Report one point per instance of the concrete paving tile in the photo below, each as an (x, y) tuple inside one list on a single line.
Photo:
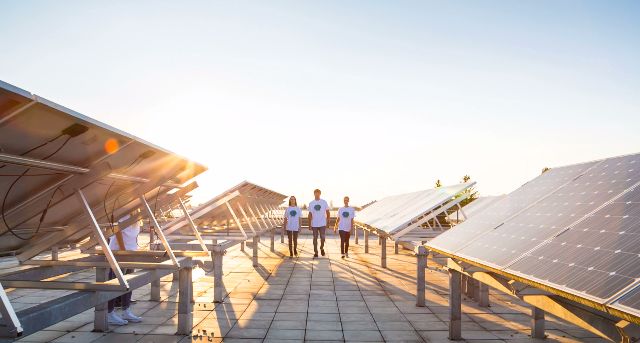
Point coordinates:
[(328, 335), (289, 324), (362, 336), (403, 336), (237, 332), (323, 325), (279, 334)]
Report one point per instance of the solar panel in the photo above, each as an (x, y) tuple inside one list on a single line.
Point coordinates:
[(510, 205), (253, 199), (600, 254), (553, 213), (71, 151), (392, 214), (582, 238)]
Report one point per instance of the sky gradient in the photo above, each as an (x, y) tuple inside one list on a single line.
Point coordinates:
[(359, 98)]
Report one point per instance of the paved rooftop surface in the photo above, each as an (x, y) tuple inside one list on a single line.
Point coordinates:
[(324, 299)]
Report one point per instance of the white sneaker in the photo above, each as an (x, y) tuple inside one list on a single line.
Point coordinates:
[(114, 319), (346, 255), (129, 316)]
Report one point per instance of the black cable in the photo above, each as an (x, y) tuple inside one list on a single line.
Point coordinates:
[(6, 195), (38, 147), (45, 174)]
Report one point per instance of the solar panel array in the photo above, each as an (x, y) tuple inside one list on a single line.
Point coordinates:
[(111, 167), (574, 228), (394, 213)]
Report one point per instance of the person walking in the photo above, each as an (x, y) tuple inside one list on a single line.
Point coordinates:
[(318, 219), (293, 215), (344, 224), (126, 239)]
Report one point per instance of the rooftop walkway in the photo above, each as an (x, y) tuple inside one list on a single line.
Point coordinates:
[(325, 299)]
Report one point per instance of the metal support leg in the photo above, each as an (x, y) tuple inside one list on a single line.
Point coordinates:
[(218, 285), (242, 246), (383, 250), (483, 295), (282, 235), (421, 256), (54, 254), (355, 231), (455, 305), (100, 323), (155, 290), (255, 251), (272, 248), (9, 319), (185, 309), (366, 241), (537, 323), (396, 248)]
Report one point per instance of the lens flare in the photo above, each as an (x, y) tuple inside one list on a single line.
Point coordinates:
[(111, 146)]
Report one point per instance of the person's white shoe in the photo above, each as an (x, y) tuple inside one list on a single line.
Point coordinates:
[(129, 316), (114, 319), (346, 255), (342, 255)]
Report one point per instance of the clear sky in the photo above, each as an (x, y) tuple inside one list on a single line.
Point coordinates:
[(366, 98)]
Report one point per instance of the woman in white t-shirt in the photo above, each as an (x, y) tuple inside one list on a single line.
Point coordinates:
[(345, 224), (292, 217)]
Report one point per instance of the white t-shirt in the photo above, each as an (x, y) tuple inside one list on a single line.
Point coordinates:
[(318, 210), (129, 236), (346, 215), (293, 214)]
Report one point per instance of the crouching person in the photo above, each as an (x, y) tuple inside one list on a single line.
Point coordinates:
[(126, 239)]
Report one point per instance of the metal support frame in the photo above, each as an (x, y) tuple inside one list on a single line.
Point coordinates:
[(599, 323), (355, 231), (383, 251), (537, 323), (101, 240), (246, 218), (455, 305), (366, 241), (185, 295), (218, 284), (421, 256), (236, 220), (154, 295), (396, 248), (193, 226), (11, 324), (158, 229), (255, 251), (100, 323), (483, 296), (257, 215), (272, 247)]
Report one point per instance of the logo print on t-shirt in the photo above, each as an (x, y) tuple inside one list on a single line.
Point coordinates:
[(345, 214), (317, 207), (293, 213)]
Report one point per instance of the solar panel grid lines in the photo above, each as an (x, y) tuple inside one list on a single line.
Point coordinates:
[(584, 257), (548, 216), (508, 207)]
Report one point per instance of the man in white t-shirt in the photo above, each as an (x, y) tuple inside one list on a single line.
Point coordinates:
[(318, 219), (125, 239), (344, 225)]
